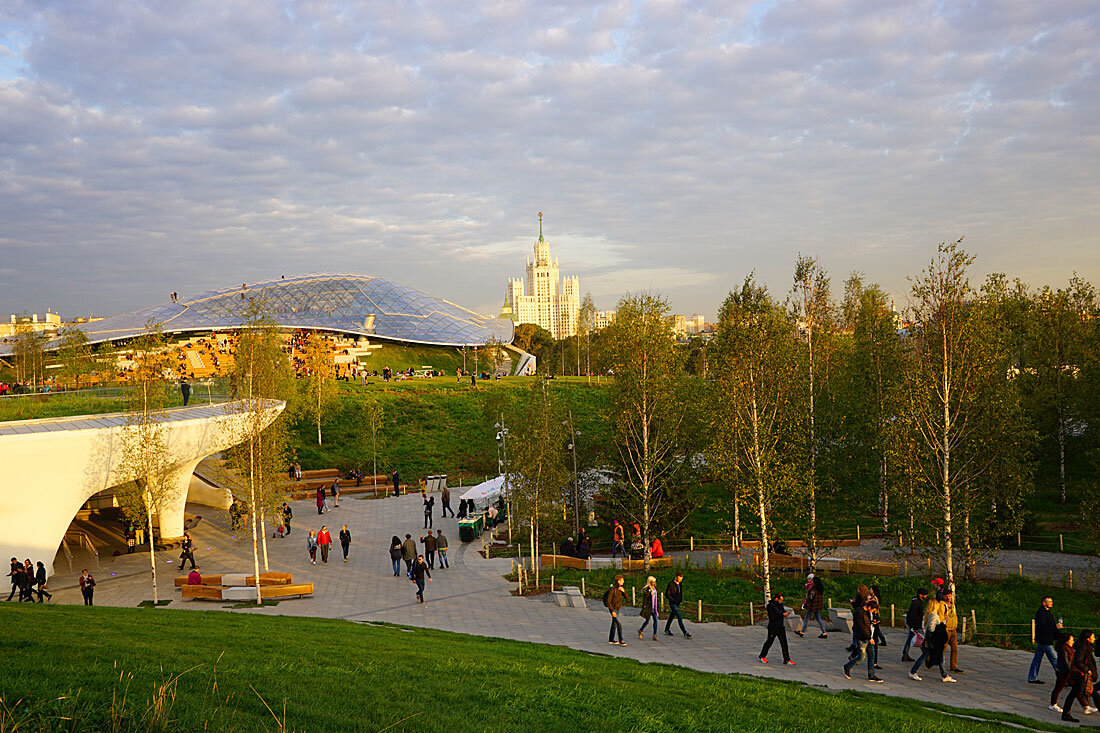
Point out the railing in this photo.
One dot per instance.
(68, 553)
(82, 539)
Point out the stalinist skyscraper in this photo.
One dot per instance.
(542, 297)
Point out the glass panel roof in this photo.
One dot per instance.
(342, 303)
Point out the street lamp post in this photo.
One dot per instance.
(573, 434)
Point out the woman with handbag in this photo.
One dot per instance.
(1083, 678)
(649, 606)
(1066, 652)
(815, 601)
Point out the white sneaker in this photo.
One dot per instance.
(949, 678)
(914, 676)
(1056, 708)
(1090, 710)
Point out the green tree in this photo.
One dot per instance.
(648, 410)
(145, 461)
(320, 384)
(374, 416)
(261, 376)
(586, 324)
(74, 355)
(29, 354)
(757, 386)
(538, 475)
(813, 312)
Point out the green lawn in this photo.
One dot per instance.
(1004, 608)
(80, 669)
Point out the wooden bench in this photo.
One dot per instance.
(265, 579)
(286, 591)
(657, 562)
(206, 592)
(181, 580)
(565, 561)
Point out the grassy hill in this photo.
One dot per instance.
(94, 669)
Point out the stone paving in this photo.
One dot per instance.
(473, 598)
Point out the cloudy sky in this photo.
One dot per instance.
(148, 147)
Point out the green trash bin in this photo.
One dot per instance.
(468, 529)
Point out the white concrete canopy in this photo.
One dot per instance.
(51, 467)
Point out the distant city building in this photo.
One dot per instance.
(603, 319)
(49, 323)
(684, 326)
(542, 297)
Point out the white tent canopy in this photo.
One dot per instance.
(485, 493)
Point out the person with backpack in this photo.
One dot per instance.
(914, 622)
(336, 493)
(777, 629)
(613, 599)
(674, 594)
(863, 637)
(814, 602)
(650, 598)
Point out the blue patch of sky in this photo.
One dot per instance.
(12, 66)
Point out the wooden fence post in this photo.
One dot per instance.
(719, 561)
(1021, 568)
(582, 585)
(692, 548)
(1061, 545)
(891, 615)
(857, 533)
(633, 597)
(964, 629)
(1071, 579)
(974, 621)
(1032, 631)
(751, 613)
(1018, 543)
(551, 583)
(830, 603)
(700, 610)
(662, 603)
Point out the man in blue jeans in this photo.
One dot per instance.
(675, 595)
(1046, 630)
(914, 621)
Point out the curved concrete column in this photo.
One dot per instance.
(51, 467)
(171, 509)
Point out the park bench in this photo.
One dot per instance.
(569, 597)
(181, 580)
(206, 592)
(565, 561)
(657, 562)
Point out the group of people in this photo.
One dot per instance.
(581, 548)
(637, 544)
(615, 597)
(322, 540)
(27, 579)
(419, 565)
(1073, 658)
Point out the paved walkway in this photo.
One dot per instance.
(473, 598)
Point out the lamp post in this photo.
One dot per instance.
(573, 434)
(502, 466)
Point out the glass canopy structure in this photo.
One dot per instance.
(356, 305)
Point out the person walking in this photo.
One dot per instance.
(336, 493)
(429, 505)
(814, 602)
(408, 552)
(777, 612)
(288, 514)
(40, 581)
(880, 639)
(441, 548)
(187, 550)
(395, 554)
(650, 598)
(445, 500)
(345, 541)
(420, 571)
(87, 586)
(185, 390)
(1066, 651)
(311, 544)
(396, 483)
(914, 622)
(674, 594)
(320, 498)
(613, 599)
(862, 637)
(1083, 678)
(617, 536)
(1046, 630)
(935, 639)
(16, 571)
(26, 582)
(951, 622)
(324, 541)
(429, 549)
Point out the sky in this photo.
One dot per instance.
(151, 147)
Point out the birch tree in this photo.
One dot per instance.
(320, 385)
(648, 410)
(757, 379)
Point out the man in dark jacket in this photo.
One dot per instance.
(420, 571)
(445, 498)
(674, 594)
(429, 549)
(613, 599)
(1046, 631)
(914, 620)
(776, 629)
(16, 572)
(396, 483)
(441, 547)
(408, 551)
(567, 548)
(861, 634)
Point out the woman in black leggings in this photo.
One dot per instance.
(1084, 670)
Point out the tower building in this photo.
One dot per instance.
(543, 297)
